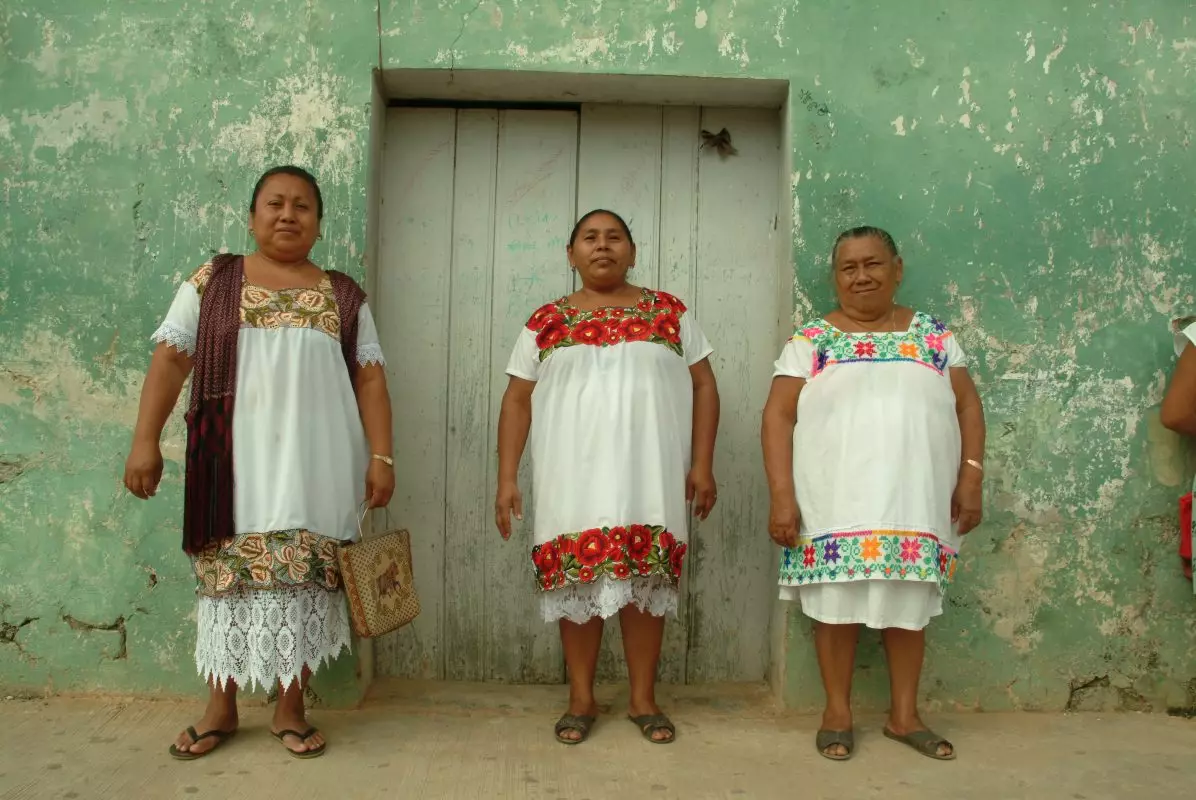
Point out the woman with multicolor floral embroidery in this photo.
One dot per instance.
(873, 441)
(296, 348)
(615, 385)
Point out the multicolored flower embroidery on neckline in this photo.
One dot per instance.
(618, 552)
(656, 319)
(924, 342)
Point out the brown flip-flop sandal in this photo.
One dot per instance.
(828, 739)
(312, 752)
(926, 742)
(573, 722)
(186, 755)
(651, 723)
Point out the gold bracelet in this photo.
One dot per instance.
(975, 464)
(387, 460)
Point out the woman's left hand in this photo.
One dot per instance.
(967, 503)
(701, 490)
(379, 484)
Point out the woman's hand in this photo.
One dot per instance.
(784, 519)
(509, 501)
(701, 490)
(967, 501)
(379, 484)
(143, 468)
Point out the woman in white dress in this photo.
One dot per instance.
(873, 441)
(1178, 411)
(615, 385)
(288, 393)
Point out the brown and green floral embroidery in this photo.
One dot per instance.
(283, 308)
(619, 553)
(268, 561)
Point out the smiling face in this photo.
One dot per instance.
(602, 251)
(867, 273)
(285, 218)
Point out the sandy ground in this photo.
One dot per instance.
(472, 742)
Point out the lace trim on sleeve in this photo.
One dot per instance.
(368, 354)
(176, 337)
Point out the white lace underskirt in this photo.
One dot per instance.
(266, 636)
(582, 602)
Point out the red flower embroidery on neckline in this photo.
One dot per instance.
(553, 333)
(865, 349)
(589, 332)
(635, 329)
(667, 327)
(541, 316)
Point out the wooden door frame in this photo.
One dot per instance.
(529, 89)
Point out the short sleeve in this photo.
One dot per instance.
(797, 359)
(956, 357)
(181, 324)
(693, 342)
(369, 349)
(1184, 337)
(525, 357)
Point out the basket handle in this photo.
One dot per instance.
(363, 512)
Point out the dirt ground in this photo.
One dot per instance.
(473, 742)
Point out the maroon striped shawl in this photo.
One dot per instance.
(208, 493)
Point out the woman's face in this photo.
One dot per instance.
(867, 274)
(602, 252)
(285, 220)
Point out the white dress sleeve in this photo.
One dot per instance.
(956, 357)
(369, 349)
(694, 344)
(525, 357)
(797, 359)
(1185, 337)
(181, 325)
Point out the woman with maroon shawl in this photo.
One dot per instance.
(288, 411)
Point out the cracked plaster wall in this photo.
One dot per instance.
(1035, 163)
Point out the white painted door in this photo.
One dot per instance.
(477, 208)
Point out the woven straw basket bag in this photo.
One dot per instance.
(379, 581)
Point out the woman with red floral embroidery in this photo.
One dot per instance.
(615, 386)
(874, 445)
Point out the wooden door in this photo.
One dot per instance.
(477, 207)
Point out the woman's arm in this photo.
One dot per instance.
(776, 439)
(514, 422)
(1179, 404)
(966, 506)
(373, 404)
(164, 381)
(700, 488)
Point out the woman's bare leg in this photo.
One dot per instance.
(290, 714)
(642, 637)
(905, 651)
(836, 645)
(581, 644)
(220, 715)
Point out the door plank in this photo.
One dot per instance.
(733, 562)
(619, 170)
(535, 202)
(412, 293)
(471, 382)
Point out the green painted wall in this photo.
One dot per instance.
(1036, 165)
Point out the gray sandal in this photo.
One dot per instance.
(573, 722)
(828, 739)
(651, 723)
(926, 742)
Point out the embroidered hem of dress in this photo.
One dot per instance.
(176, 337)
(887, 554)
(368, 354)
(580, 603)
(264, 638)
